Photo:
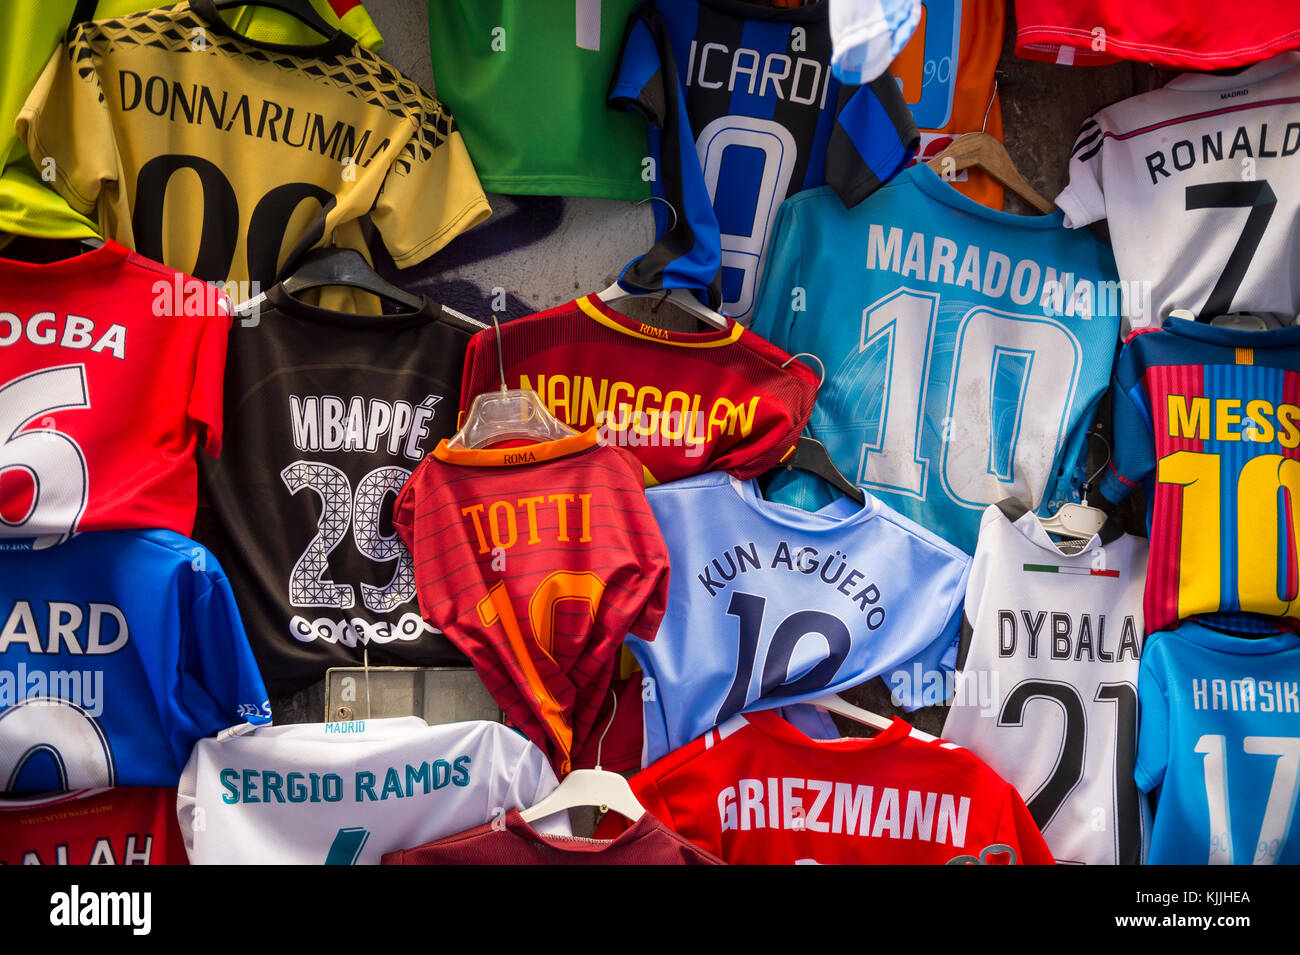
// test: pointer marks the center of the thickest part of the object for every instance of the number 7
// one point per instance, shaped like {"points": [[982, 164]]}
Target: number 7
{"points": [[1258, 197]]}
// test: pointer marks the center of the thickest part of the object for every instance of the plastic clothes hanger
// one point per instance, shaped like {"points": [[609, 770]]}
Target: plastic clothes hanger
{"points": [[300, 10], [334, 266], [1080, 521], [508, 414], [679, 297], [590, 787], [835, 703]]}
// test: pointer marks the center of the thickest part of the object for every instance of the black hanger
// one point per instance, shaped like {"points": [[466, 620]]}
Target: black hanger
{"points": [[321, 268], [301, 10], [810, 455]]}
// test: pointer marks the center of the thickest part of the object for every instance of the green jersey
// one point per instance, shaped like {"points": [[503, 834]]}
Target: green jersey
{"points": [[526, 81]]}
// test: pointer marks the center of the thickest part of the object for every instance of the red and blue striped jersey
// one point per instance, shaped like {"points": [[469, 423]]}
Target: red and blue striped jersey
{"points": [[1208, 419]]}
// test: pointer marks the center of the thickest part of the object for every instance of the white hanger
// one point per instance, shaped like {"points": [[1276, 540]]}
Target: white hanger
{"points": [[1080, 521], [679, 297], [510, 413], [590, 787], [837, 704]]}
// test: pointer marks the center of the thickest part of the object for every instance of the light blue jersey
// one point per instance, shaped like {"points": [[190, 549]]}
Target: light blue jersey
{"points": [[965, 348], [118, 650], [1219, 733], [770, 605]]}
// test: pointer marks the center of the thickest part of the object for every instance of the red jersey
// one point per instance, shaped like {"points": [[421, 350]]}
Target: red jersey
{"points": [[536, 562], [122, 826], [684, 403], [511, 841], [1207, 35], [757, 791], [110, 376]]}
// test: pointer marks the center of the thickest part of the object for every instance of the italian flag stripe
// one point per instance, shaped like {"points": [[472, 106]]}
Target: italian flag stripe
{"points": [[1078, 571]]}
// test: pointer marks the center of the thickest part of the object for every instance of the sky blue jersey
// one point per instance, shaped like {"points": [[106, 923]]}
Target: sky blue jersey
{"points": [[965, 348], [770, 605]]}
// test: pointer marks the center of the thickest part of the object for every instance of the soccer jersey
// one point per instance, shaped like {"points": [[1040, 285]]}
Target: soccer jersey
{"points": [[526, 80], [947, 74], [965, 348], [110, 378], [511, 841], [1220, 737], [1207, 419], [867, 34], [126, 825], [1197, 183], [117, 651], [536, 561], [744, 111], [770, 605], [30, 32], [347, 793], [229, 157], [328, 413], [1212, 35], [756, 791], [1047, 694], [683, 403]]}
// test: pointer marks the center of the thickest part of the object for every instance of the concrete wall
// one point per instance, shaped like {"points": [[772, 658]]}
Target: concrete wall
{"points": [[544, 251]]}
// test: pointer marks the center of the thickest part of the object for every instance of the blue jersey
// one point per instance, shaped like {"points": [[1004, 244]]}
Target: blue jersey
{"points": [[965, 348], [744, 111], [118, 650], [770, 605], [1219, 734]]}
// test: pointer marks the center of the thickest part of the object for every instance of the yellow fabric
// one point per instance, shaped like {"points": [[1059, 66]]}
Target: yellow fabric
{"points": [[224, 160], [29, 34]]}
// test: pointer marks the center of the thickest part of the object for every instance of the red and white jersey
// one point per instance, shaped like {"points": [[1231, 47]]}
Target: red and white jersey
{"points": [[1200, 185], [111, 371], [757, 791], [130, 825], [1205, 35], [536, 562]]}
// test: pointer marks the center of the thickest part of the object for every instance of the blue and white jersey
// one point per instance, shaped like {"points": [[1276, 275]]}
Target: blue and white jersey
{"points": [[965, 348], [770, 605], [118, 651], [743, 111], [1219, 734], [868, 34]]}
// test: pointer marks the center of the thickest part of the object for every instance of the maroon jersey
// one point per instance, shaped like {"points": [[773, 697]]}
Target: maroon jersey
{"points": [[684, 403], [536, 562], [511, 841], [134, 825]]}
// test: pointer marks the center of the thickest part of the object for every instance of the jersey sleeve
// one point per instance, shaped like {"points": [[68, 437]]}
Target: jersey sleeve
{"points": [[67, 129], [874, 136], [221, 684], [207, 394], [939, 656], [1132, 430], [1018, 830], [431, 193], [1082, 199], [780, 291], [640, 82], [1153, 724]]}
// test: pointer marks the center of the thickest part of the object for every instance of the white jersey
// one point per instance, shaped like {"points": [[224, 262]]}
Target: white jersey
{"points": [[1047, 691], [346, 793], [1200, 184]]}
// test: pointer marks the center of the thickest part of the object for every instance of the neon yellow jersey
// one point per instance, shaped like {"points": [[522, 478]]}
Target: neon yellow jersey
{"points": [[29, 33]]}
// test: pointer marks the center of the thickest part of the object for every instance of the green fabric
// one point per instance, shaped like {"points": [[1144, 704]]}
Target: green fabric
{"points": [[530, 102]]}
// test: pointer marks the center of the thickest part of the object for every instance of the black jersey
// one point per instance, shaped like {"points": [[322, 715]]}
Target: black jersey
{"points": [[327, 415]]}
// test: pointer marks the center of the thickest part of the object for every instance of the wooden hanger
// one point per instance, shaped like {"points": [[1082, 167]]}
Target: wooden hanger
{"points": [[986, 152]]}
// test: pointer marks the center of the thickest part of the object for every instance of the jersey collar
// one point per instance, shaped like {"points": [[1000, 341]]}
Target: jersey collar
{"points": [[929, 182], [523, 455], [206, 11], [769, 723], [598, 311], [644, 826], [1027, 524], [838, 514], [110, 253], [1288, 336], [282, 301], [1263, 70], [1213, 639]]}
